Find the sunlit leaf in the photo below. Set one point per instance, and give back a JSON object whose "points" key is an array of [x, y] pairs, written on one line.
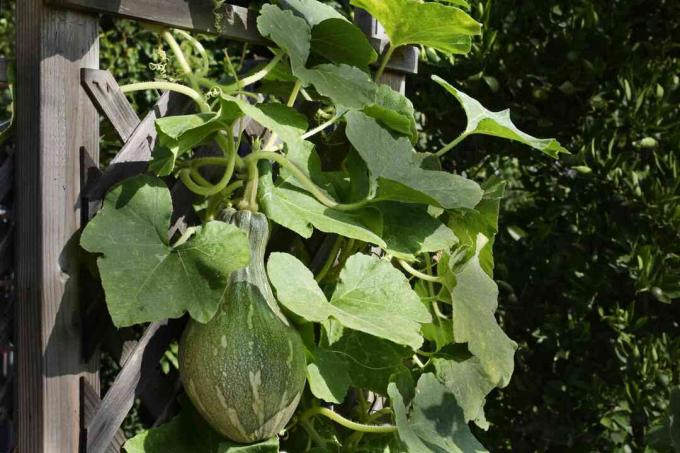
{"points": [[445, 28], [498, 124], [371, 296], [147, 279]]}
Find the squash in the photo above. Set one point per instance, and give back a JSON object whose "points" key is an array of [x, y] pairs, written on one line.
{"points": [[244, 370]]}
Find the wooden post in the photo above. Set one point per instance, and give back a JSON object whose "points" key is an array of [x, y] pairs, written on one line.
{"points": [[405, 59], [55, 122]]}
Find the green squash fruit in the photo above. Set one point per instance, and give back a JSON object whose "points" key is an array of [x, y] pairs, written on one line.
{"points": [[245, 369]]}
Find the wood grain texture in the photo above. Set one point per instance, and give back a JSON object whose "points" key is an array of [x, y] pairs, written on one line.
{"points": [[90, 404], [110, 101], [54, 120], [4, 63], [198, 15]]}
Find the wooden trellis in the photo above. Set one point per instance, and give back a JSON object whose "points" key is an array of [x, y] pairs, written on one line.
{"points": [[60, 316]]}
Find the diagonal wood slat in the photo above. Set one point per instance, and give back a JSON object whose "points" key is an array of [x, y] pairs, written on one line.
{"points": [[130, 382], [89, 405], [110, 101], [236, 22], [136, 153]]}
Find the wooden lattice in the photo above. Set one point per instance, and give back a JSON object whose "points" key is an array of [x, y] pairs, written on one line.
{"points": [[62, 319]]}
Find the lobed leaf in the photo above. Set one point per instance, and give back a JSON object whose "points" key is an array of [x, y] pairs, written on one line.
{"points": [[435, 422], [144, 277], [397, 168], [498, 124], [445, 28], [371, 296], [295, 209], [475, 299], [464, 376]]}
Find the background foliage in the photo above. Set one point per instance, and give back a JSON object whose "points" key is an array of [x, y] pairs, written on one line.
{"points": [[591, 244], [589, 255]]}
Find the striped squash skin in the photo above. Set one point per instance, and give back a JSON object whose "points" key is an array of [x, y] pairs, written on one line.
{"points": [[245, 369]]}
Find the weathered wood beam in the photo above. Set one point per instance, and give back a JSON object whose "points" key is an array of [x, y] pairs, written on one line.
{"points": [[54, 121], [4, 76], [236, 22], [130, 382], [110, 101], [405, 60]]}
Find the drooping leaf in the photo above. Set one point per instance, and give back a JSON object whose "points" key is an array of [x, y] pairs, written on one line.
{"points": [[397, 168], [371, 296], [289, 32], [445, 28], [463, 375], [475, 299], [409, 230], [435, 422], [469, 223], [342, 42], [498, 124], [145, 278], [189, 433], [393, 110], [292, 208], [328, 376]]}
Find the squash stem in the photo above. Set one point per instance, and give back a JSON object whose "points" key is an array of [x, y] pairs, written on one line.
{"points": [[451, 145], [330, 260], [416, 273], [339, 419]]}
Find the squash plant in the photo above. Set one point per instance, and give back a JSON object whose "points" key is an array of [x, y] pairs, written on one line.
{"points": [[394, 330]]}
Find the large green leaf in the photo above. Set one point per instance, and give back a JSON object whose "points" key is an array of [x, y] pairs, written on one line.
{"points": [[475, 299], [342, 42], [397, 168], [442, 27], [328, 376], [189, 433], [464, 376], [498, 124], [371, 296], [409, 230], [289, 32], [291, 207], [144, 277], [435, 422]]}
